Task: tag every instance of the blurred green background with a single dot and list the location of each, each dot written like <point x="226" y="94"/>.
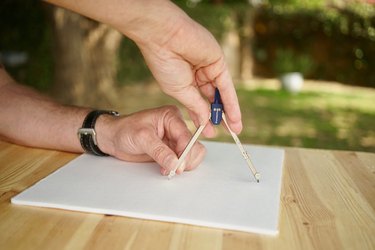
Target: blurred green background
<point x="47" y="48"/>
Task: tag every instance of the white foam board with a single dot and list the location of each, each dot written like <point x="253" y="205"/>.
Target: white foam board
<point x="220" y="193"/>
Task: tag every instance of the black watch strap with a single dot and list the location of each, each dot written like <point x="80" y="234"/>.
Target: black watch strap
<point x="87" y="134"/>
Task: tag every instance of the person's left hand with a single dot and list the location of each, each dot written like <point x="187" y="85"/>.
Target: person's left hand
<point x="151" y="135"/>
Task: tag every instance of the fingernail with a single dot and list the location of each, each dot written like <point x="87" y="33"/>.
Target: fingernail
<point x="238" y="127"/>
<point x="164" y="171"/>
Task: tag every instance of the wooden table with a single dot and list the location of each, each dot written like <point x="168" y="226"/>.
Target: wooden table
<point x="327" y="202"/>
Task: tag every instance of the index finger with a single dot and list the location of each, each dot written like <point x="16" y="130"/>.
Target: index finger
<point x="230" y="101"/>
<point x="219" y="74"/>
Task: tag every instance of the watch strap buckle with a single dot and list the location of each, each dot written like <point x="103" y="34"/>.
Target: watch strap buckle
<point x="87" y="134"/>
<point x="87" y="131"/>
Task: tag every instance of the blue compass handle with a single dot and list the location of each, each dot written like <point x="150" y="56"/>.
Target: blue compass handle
<point x="216" y="109"/>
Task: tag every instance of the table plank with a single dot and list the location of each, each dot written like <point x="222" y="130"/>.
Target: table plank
<point x="327" y="202"/>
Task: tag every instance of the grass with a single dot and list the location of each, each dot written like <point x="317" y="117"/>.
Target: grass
<point x="326" y="116"/>
<point x="312" y="119"/>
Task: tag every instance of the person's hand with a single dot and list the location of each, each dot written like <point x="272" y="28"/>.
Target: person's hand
<point x="186" y="61"/>
<point x="152" y="135"/>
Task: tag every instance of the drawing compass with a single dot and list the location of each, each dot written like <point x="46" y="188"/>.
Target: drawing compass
<point x="217" y="116"/>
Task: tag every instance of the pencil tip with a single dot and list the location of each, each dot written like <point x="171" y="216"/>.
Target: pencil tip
<point x="257" y="177"/>
<point x="171" y="174"/>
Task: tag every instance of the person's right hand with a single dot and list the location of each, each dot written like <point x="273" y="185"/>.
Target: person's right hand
<point x="152" y="135"/>
<point x="185" y="59"/>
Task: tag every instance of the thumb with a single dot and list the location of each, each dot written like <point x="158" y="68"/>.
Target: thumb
<point x="160" y="152"/>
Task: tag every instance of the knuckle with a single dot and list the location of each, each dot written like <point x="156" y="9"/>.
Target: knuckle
<point x="172" y="111"/>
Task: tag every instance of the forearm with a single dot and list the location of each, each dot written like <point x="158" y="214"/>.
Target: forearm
<point x="31" y="119"/>
<point x="136" y="19"/>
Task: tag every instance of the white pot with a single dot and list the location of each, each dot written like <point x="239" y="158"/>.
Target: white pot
<point x="292" y="82"/>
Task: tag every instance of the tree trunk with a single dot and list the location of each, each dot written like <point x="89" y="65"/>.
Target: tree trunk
<point x="246" y="37"/>
<point x="231" y="46"/>
<point x="85" y="60"/>
<point x="237" y="43"/>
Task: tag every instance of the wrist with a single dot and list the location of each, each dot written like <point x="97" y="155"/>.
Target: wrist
<point x="150" y="22"/>
<point x="88" y="134"/>
<point x="106" y="131"/>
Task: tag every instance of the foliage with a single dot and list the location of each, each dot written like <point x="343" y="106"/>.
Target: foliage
<point x="132" y="67"/>
<point x="340" y="41"/>
<point x="24" y="28"/>
<point x="287" y="61"/>
<point x="292" y="3"/>
<point x="194" y="3"/>
<point x="20" y="21"/>
<point x="212" y="17"/>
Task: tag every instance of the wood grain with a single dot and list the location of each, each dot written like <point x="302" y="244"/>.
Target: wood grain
<point x="327" y="202"/>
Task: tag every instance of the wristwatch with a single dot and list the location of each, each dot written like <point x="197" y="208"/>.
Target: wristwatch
<point x="87" y="134"/>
